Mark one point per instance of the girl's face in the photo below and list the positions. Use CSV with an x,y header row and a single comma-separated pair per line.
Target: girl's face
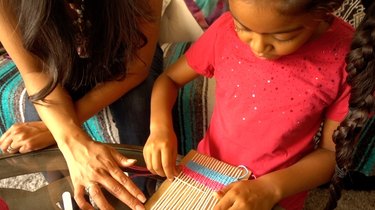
x,y
269,34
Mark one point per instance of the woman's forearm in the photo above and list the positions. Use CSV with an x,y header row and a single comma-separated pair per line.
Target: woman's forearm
x,y
137,71
105,94
57,110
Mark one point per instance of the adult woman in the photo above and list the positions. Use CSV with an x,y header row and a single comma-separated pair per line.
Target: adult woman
x,y
75,58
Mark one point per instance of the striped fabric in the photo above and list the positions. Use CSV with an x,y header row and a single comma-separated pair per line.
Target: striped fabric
x,y
12,108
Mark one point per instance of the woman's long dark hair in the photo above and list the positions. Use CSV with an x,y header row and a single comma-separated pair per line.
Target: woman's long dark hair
x,y
361,77
114,37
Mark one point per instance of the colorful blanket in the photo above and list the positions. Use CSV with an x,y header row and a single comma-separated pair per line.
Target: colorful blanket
x,y
12,106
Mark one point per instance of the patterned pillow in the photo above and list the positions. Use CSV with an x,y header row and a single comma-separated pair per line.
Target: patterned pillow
x,y
352,11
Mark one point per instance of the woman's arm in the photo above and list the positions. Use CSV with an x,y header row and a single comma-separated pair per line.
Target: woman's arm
x,y
32,136
91,164
108,92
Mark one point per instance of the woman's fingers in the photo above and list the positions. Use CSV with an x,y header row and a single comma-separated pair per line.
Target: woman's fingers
x,y
36,142
79,197
5,141
127,192
98,168
123,179
26,137
96,197
10,147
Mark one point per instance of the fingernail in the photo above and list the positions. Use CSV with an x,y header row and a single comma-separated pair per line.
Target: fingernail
x,y
139,207
131,160
171,178
141,198
216,195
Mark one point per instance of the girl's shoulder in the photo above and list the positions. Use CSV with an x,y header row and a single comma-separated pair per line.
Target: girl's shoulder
x,y
342,24
223,22
340,29
338,36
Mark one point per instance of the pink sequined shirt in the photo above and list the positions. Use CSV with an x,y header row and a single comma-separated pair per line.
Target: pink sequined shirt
x,y
267,112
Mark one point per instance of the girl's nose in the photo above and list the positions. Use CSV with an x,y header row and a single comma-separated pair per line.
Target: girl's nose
x,y
258,43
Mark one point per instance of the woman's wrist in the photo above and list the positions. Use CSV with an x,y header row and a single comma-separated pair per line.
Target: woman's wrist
x,y
69,136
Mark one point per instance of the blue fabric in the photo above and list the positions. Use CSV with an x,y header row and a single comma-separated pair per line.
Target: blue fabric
x,y
9,81
130,113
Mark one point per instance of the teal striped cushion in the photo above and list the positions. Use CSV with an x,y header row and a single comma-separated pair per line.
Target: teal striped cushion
x,y
12,95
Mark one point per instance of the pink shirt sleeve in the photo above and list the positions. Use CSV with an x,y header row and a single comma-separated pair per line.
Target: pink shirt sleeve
x,y
340,107
201,55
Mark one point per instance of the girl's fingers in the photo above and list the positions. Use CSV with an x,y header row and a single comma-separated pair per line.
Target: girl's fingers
x,y
169,166
148,160
157,164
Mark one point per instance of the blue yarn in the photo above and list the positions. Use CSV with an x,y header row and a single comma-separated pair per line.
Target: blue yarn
x,y
209,173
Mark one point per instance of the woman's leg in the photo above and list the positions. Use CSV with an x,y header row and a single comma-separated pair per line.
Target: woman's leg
x,y
131,112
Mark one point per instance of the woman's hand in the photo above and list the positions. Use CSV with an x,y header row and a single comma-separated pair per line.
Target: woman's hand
x,y
246,195
94,166
26,137
160,152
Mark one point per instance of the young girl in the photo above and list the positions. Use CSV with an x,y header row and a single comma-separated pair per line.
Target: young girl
x,y
77,57
280,72
361,78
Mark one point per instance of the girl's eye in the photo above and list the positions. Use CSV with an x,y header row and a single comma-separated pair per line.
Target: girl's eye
x,y
239,29
283,38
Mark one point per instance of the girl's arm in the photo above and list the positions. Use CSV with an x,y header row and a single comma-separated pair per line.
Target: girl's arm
x,y
311,171
160,150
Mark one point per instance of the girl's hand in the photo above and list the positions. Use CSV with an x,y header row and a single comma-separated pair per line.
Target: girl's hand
x,y
246,195
94,166
160,153
26,137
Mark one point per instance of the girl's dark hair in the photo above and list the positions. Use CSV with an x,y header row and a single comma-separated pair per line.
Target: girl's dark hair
x,y
361,77
297,7
114,36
